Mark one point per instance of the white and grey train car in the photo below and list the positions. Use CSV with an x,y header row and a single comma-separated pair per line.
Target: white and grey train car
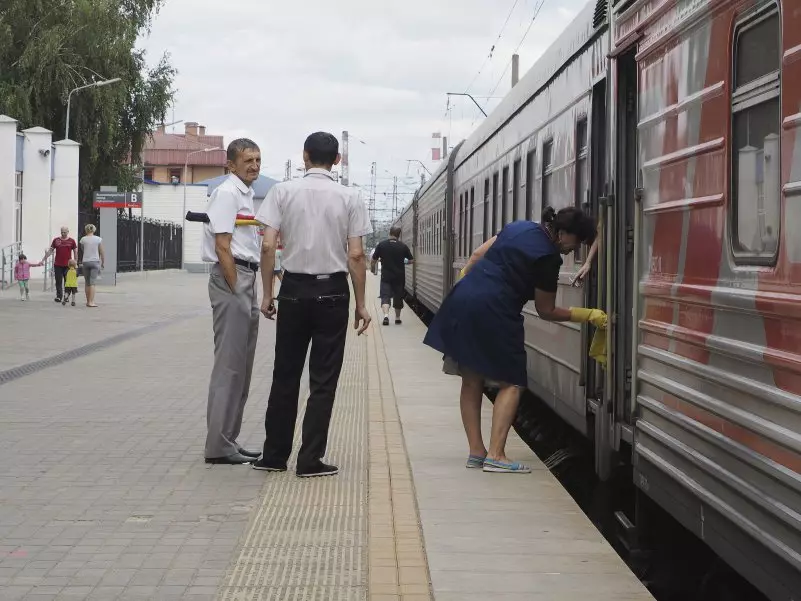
x,y
531,152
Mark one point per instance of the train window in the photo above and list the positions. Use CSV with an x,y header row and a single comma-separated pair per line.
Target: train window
x,y
547,172
530,164
515,190
582,175
505,197
494,203
460,251
485,226
470,222
756,127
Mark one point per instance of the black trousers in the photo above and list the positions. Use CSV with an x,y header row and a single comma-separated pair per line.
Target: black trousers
x,y
60,273
315,311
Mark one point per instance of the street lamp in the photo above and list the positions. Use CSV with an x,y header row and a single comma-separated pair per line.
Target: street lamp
x,y
96,84
183,213
470,97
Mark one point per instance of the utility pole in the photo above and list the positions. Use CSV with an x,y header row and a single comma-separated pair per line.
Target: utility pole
x,y
345,169
371,206
394,196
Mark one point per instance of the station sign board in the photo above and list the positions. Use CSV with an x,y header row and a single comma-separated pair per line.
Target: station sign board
x,y
117,200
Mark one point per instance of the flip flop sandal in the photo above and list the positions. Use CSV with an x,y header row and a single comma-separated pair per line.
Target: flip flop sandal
x,y
475,461
500,467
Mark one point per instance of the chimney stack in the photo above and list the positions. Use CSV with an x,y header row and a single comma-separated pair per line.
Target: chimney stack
x,y
191,128
202,129
161,128
515,69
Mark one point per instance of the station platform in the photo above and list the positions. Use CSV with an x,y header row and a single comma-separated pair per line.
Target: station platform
x,y
104,493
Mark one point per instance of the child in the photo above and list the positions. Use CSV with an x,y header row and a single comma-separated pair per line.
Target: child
x,y
22,273
70,283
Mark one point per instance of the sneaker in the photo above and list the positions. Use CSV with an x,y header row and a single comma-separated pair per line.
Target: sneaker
x,y
73,303
57,299
319,469
265,466
386,321
398,322
64,302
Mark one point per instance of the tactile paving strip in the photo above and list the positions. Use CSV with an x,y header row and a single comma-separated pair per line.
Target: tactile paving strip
x,y
35,366
308,539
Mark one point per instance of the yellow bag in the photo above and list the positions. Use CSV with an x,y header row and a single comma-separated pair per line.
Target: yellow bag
x,y
598,347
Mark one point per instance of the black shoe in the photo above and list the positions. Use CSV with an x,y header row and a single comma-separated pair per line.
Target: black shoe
x,y
247,453
386,321
57,299
235,459
397,321
265,466
318,469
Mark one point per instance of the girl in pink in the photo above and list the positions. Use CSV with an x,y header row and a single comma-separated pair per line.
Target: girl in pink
x,y
22,273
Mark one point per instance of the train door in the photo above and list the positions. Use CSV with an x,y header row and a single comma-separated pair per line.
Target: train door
x,y
592,374
628,195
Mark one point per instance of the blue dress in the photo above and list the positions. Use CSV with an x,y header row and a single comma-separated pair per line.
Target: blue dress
x,y
480,325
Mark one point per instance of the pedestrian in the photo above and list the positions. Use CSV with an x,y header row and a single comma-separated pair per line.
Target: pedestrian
x,y
479,326
71,283
22,273
321,224
65,249
394,256
234,252
94,259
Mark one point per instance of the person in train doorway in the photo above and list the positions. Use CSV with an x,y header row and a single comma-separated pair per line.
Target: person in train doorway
x,y
234,252
479,327
322,224
394,256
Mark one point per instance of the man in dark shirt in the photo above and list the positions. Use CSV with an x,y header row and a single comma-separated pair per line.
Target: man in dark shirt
x,y
394,256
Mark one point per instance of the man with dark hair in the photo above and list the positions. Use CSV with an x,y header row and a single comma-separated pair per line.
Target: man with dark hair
x,y
322,224
235,253
394,256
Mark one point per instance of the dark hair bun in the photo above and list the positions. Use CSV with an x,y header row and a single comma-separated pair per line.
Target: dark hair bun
x,y
573,221
548,215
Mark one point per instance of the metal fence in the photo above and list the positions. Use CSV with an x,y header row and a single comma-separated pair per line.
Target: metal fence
x,y
162,241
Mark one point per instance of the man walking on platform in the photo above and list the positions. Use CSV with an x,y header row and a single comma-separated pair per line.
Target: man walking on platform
x,y
394,256
234,251
321,225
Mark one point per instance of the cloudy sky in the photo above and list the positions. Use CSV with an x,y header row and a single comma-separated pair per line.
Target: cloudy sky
x,y
275,71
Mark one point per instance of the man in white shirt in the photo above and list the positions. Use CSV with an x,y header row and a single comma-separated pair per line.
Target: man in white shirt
x,y
235,252
321,224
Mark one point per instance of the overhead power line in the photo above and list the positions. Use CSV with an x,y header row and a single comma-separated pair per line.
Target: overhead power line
x,y
492,48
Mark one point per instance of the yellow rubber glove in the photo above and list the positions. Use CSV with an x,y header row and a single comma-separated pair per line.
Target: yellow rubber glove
x,y
594,316
461,274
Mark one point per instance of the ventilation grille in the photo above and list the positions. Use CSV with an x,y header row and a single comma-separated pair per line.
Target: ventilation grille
x,y
601,10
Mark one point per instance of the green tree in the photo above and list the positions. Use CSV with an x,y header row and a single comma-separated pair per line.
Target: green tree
x,y
49,47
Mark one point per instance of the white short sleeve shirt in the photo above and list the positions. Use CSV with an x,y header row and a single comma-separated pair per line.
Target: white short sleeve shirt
x,y
229,199
315,216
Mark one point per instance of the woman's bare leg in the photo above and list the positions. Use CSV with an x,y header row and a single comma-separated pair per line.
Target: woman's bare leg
x,y
470,403
503,415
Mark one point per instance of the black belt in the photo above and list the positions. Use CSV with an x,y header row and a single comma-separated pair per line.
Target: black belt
x,y
314,276
248,264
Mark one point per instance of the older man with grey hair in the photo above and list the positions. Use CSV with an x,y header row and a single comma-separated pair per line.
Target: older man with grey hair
x,y
235,254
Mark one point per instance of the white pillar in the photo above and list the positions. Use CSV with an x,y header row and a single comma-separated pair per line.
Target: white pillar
x,y
64,191
8,162
36,228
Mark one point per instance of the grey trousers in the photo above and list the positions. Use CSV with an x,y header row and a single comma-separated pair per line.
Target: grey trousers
x,y
236,330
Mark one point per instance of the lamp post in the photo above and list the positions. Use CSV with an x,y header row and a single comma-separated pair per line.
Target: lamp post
x,y
183,213
470,97
96,84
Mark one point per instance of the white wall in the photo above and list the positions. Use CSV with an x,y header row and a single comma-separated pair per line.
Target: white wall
x,y
165,203
64,188
8,153
37,232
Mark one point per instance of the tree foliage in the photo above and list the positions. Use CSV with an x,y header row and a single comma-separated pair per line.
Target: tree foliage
x,y
49,47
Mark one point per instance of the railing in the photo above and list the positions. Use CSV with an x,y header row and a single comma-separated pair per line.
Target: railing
x,y
48,278
8,258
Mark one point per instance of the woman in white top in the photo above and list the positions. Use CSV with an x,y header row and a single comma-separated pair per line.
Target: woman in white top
x,y
93,261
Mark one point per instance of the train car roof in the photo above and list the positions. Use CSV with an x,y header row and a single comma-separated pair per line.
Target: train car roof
x,y
572,40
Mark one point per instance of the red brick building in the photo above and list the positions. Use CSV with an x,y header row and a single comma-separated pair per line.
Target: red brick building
x,y
166,153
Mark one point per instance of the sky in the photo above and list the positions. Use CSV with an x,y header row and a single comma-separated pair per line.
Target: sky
x,y
277,71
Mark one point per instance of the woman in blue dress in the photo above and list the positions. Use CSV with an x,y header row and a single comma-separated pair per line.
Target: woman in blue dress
x,y
479,327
